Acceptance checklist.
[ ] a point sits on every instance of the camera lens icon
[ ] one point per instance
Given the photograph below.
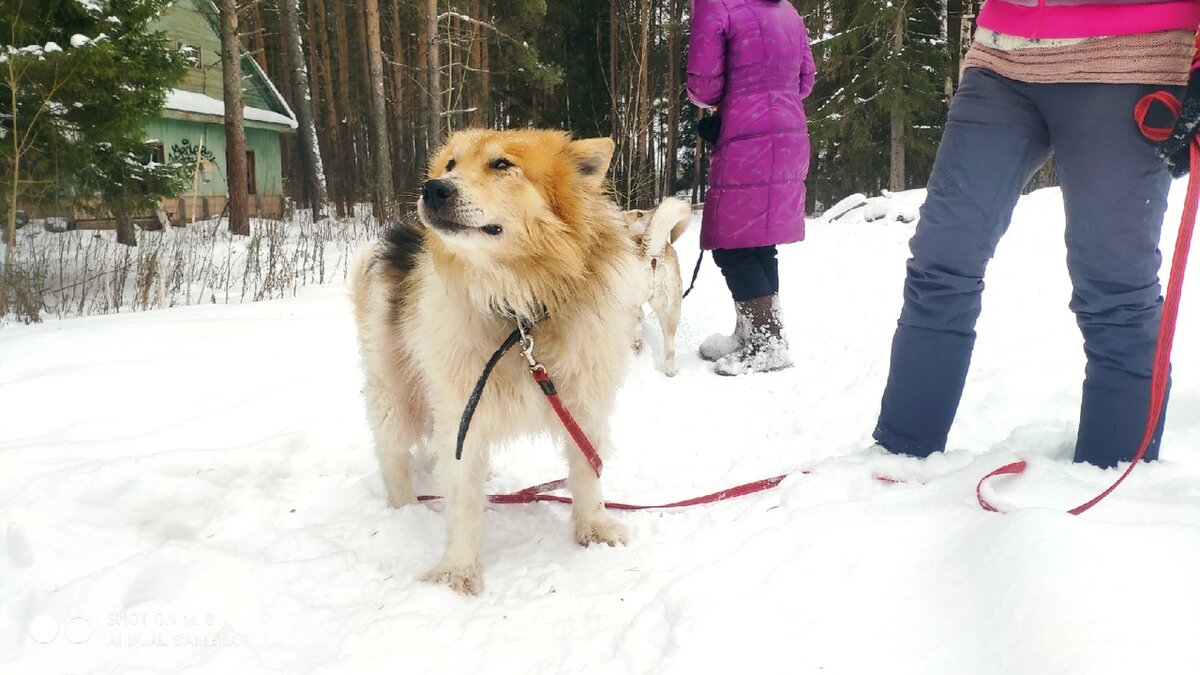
(44, 629)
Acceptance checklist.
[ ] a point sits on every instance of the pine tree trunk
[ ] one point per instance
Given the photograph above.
(898, 179)
(295, 173)
(235, 136)
(612, 70)
(433, 74)
(332, 120)
(401, 142)
(454, 69)
(346, 120)
(258, 35)
(126, 232)
(944, 34)
(314, 170)
(478, 96)
(642, 149)
(967, 29)
(10, 231)
(381, 149)
(364, 131)
(672, 93)
(485, 66)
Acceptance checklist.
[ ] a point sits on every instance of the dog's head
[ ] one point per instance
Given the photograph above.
(511, 194)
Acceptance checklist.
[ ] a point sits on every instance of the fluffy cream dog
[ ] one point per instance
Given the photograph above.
(654, 231)
(514, 226)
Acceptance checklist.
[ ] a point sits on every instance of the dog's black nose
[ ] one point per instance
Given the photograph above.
(435, 193)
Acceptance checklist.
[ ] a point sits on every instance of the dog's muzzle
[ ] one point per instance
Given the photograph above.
(435, 193)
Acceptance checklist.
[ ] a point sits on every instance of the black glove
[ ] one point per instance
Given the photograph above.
(1175, 151)
(709, 129)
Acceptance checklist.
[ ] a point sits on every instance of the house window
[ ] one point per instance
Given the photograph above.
(154, 154)
(251, 182)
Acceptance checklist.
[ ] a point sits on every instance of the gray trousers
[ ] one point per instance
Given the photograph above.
(1115, 192)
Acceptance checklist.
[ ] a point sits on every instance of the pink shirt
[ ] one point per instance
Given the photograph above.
(1071, 19)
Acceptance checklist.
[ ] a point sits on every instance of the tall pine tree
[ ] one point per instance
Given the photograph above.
(879, 104)
(79, 82)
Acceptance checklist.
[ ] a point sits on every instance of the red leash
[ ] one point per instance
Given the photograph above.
(541, 492)
(585, 446)
(1166, 332)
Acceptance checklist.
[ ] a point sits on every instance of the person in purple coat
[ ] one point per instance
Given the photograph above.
(751, 60)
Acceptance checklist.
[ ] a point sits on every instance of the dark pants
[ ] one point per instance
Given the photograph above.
(749, 272)
(1115, 193)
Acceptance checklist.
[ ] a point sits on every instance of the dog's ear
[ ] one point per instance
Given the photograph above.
(592, 157)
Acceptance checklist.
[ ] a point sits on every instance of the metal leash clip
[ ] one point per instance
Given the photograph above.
(527, 347)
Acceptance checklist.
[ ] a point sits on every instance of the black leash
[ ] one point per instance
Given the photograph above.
(513, 338)
(473, 402)
(695, 273)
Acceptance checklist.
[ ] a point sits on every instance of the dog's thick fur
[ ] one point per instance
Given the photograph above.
(654, 231)
(530, 231)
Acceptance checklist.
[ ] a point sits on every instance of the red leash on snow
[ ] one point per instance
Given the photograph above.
(1166, 331)
(540, 493)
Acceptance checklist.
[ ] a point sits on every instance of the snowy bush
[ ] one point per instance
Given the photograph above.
(84, 272)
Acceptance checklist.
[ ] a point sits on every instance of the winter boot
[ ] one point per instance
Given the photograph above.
(716, 346)
(764, 348)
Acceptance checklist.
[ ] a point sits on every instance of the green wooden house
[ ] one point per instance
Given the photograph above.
(191, 128)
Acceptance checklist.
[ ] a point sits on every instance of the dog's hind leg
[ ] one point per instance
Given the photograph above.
(394, 437)
(593, 525)
(639, 317)
(463, 482)
(667, 311)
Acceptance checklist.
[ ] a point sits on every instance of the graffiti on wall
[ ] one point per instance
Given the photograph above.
(184, 152)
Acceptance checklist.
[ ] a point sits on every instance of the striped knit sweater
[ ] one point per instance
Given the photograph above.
(1161, 58)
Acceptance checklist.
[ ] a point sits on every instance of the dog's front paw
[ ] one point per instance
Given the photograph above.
(669, 370)
(601, 531)
(401, 501)
(462, 580)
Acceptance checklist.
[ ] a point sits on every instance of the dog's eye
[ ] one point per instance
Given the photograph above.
(450, 165)
(501, 164)
(492, 229)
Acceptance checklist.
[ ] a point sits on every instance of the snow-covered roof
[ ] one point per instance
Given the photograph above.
(191, 102)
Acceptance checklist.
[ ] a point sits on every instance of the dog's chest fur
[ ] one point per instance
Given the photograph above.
(584, 345)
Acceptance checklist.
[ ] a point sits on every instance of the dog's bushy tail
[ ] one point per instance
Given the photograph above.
(670, 220)
(360, 269)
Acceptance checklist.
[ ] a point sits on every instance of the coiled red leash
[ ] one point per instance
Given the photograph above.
(1170, 315)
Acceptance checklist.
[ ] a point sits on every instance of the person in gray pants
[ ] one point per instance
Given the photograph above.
(999, 133)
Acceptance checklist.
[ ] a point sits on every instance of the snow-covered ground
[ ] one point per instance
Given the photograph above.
(194, 490)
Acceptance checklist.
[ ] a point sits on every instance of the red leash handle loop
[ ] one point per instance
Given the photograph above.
(1170, 315)
(1141, 112)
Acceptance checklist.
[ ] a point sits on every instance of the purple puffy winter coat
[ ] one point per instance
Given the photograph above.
(752, 59)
